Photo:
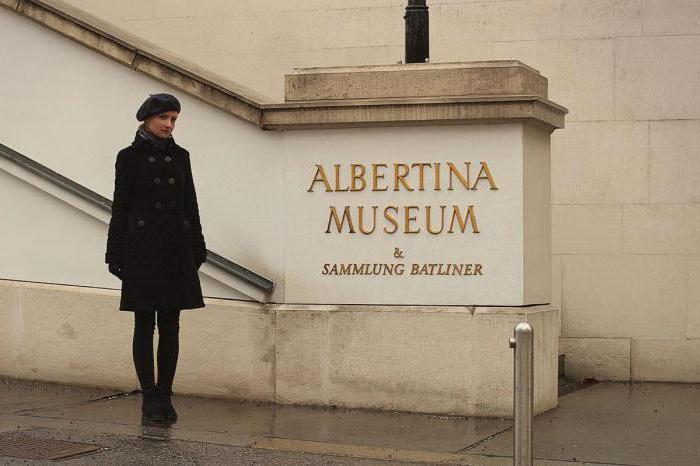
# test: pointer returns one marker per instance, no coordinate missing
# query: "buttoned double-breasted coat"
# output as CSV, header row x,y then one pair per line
x,y
155,230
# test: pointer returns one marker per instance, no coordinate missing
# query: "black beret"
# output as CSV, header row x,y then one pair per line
x,y
157,103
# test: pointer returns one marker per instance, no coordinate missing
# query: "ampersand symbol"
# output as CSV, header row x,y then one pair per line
x,y
398,253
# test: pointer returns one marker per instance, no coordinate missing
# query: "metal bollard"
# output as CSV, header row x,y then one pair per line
x,y
523,399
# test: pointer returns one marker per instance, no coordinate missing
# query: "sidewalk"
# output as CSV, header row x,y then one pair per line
x,y
607,423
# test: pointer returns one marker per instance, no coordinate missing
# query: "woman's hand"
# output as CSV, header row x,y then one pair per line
x,y
115,268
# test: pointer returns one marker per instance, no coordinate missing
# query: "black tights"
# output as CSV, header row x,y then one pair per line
x,y
168,346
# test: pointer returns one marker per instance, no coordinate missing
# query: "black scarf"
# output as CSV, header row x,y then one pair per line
x,y
157,141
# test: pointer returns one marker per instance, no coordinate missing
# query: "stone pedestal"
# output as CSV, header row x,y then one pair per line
x,y
414,246
452,360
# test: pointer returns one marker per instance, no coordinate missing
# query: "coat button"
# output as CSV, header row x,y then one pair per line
x,y
159,204
140,222
172,202
186,222
157,180
171,180
168,158
151,158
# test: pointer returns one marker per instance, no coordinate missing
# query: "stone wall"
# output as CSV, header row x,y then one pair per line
x,y
448,360
626,207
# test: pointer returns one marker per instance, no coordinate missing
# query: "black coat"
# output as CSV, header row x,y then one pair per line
x,y
155,231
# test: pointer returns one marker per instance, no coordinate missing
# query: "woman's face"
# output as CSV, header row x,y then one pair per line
x,y
162,124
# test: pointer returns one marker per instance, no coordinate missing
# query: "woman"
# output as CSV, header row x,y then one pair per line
x,y
155,246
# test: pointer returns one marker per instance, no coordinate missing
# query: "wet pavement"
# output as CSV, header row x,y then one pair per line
x,y
607,423
639,423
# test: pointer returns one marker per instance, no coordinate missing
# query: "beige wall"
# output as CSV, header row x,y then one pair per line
x,y
72,334
252,189
348,356
90,116
626,204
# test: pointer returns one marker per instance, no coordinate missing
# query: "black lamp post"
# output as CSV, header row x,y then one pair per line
x,y
417,38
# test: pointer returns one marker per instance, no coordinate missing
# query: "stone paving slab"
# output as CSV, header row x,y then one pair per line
x,y
126,450
16,395
362,427
608,423
638,423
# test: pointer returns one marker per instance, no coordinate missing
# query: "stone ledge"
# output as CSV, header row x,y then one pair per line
x,y
412,308
94,38
12,4
482,78
207,92
517,94
404,112
142,56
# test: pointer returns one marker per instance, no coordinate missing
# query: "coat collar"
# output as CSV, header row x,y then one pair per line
x,y
141,143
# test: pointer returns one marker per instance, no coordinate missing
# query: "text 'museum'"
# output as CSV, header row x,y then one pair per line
x,y
395,177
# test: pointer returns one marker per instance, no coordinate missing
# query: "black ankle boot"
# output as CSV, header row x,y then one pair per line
x,y
151,409
165,398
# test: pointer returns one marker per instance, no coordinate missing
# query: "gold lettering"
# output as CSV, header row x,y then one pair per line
x,y
374,219
487,172
421,174
338,222
401,177
391,219
454,170
376,176
322,174
442,220
456,213
399,268
357,176
408,219
337,178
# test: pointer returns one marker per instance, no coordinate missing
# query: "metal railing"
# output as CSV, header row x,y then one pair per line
x,y
105,204
523,388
